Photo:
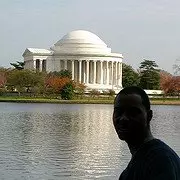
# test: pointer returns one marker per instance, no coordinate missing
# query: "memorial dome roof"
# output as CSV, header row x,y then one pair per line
x,y
81,42
81,36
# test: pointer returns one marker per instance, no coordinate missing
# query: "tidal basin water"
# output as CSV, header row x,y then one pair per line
x,y
56,141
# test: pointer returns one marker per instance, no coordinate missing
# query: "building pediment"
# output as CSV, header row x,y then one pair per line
x,y
26,53
36,51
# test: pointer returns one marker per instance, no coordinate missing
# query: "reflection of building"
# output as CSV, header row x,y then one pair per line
x,y
85,55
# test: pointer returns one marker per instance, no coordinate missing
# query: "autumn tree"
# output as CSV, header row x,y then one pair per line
x,y
169,84
3,79
55,84
3,76
149,75
165,79
61,82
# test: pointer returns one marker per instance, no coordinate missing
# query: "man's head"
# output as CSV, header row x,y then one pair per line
x,y
132,114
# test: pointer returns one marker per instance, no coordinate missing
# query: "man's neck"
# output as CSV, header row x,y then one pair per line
x,y
134,147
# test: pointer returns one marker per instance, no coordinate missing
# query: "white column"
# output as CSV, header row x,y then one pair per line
x,y
59,65
116,74
101,67
112,73
120,74
84,71
107,71
94,79
80,70
34,64
72,65
40,65
65,64
87,72
90,71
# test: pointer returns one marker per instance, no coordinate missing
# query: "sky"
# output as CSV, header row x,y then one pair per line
x,y
141,29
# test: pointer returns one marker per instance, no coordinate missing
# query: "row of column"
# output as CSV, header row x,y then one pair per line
x,y
97,72
89,72
40,64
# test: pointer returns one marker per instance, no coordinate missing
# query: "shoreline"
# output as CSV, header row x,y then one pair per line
x,y
83,101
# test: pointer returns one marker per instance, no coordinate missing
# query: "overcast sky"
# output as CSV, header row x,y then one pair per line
x,y
141,29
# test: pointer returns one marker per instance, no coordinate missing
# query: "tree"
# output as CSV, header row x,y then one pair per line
x,y
129,76
56,84
18,65
62,73
23,80
149,75
169,84
3,76
67,92
79,88
176,67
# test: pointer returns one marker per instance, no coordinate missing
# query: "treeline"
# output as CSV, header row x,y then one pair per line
x,y
39,83
148,76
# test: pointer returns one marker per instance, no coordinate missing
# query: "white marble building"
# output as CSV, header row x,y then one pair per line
x,y
85,55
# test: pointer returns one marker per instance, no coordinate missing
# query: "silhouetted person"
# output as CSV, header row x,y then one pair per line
x,y
151,158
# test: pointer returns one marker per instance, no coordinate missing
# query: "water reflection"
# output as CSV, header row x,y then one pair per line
x,y
49,141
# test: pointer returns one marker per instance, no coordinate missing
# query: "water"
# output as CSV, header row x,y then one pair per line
x,y
55,141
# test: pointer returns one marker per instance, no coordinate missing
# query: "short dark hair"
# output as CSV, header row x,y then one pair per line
x,y
139,91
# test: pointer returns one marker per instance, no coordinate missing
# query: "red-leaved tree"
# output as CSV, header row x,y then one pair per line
x,y
56,83
169,84
3,77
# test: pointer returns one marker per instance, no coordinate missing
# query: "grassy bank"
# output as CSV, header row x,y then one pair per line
x,y
162,101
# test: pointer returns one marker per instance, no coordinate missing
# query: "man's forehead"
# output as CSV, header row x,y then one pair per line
x,y
129,99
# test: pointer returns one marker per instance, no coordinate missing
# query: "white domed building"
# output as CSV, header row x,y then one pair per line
x,y
85,55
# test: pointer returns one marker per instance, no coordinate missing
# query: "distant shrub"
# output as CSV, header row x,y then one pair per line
x,y
111,92
94,93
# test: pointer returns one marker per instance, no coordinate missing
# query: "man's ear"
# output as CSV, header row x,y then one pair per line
x,y
149,115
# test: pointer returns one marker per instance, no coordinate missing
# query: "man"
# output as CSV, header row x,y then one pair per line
x,y
151,158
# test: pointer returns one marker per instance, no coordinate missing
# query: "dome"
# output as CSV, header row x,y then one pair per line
x,y
81,36
81,42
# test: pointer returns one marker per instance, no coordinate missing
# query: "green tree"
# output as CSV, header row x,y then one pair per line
x,y
23,80
129,76
67,92
18,65
149,75
62,73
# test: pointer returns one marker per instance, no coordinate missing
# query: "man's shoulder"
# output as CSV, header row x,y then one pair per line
x,y
155,158
158,147
159,152
160,161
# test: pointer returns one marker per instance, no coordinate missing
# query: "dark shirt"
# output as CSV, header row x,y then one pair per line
x,y
153,161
